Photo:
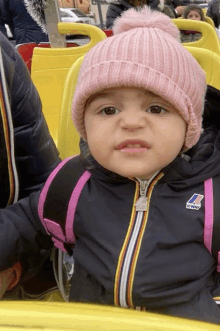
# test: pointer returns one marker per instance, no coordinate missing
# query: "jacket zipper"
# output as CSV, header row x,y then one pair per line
x,y
141,204
127,257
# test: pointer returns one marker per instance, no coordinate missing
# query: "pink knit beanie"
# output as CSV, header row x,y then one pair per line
x,y
144,52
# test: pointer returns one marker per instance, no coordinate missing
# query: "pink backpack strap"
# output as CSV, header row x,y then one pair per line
x,y
45,190
209,218
72,206
212,217
58,201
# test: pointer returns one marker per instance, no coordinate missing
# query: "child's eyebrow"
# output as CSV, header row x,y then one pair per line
x,y
98,95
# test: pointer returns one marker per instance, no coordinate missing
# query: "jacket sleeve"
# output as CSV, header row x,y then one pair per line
x,y
22,235
35,152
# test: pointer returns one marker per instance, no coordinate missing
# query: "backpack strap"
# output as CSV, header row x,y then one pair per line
x,y
58,201
212,217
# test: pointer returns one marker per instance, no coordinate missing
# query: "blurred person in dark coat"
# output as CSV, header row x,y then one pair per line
x,y
214,12
168,7
116,8
24,29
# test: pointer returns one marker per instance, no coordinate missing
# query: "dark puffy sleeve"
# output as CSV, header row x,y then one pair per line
x,y
35,152
22,235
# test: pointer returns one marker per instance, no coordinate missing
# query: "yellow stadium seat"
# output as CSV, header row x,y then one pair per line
x,y
210,62
210,21
68,137
207,20
50,67
54,316
209,39
204,10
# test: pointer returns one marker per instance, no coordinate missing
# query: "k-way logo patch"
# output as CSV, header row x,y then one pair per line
x,y
195,201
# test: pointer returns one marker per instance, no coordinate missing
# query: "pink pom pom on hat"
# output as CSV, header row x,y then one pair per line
x,y
144,52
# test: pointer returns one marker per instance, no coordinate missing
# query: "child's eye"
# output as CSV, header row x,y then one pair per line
x,y
109,111
156,110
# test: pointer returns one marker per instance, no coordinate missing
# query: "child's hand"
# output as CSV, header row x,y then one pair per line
x,y
9,278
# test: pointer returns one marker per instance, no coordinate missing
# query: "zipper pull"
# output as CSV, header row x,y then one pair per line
x,y
141,204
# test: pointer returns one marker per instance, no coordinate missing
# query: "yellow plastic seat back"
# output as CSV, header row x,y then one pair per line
x,y
204,10
53,316
210,62
50,67
68,137
207,20
210,21
209,39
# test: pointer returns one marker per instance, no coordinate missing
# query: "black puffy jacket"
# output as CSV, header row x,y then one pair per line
x,y
35,152
22,25
153,258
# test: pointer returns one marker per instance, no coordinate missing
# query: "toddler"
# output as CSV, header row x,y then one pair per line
x,y
137,240
192,12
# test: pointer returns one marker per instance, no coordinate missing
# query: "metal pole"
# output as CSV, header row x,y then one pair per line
x,y
52,17
100,14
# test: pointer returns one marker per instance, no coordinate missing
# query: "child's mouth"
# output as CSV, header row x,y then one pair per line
x,y
133,146
133,150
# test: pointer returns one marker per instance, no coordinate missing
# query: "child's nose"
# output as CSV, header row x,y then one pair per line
x,y
132,121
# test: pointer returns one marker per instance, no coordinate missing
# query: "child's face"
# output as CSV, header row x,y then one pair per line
x,y
133,132
194,15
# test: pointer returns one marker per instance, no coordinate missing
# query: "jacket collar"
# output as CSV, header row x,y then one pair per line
x,y
198,164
